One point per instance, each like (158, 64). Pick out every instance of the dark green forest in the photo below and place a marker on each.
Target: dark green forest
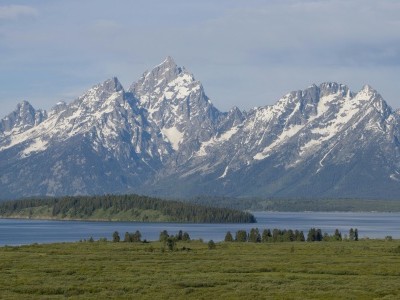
(121, 208)
(301, 204)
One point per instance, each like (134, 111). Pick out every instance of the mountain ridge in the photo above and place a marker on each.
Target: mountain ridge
(163, 136)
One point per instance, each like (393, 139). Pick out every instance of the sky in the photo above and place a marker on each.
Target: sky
(246, 53)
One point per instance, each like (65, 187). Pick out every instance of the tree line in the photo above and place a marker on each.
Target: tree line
(85, 206)
(300, 204)
(253, 236)
(278, 235)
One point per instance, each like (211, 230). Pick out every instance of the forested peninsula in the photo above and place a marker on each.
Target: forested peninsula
(120, 208)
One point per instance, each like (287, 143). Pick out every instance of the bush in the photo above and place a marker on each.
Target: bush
(211, 245)
(171, 244)
(388, 238)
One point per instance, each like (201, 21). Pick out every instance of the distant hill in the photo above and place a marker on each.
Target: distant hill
(120, 208)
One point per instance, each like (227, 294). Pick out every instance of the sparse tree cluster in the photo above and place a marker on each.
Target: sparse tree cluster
(314, 235)
(276, 235)
(180, 236)
(353, 234)
(135, 237)
(171, 240)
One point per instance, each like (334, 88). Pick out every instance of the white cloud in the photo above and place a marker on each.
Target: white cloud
(12, 12)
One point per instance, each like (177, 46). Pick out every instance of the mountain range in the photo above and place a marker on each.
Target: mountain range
(163, 136)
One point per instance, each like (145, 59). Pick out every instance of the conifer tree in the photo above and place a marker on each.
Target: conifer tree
(337, 236)
(241, 236)
(351, 234)
(171, 243)
(185, 237)
(116, 237)
(136, 237)
(276, 233)
(314, 235)
(163, 236)
(228, 237)
(266, 236)
(127, 237)
(254, 236)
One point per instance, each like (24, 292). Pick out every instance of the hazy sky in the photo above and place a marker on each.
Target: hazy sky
(245, 52)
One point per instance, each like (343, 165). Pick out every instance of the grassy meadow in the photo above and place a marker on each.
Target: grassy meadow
(366, 269)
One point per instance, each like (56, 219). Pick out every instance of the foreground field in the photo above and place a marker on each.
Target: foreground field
(366, 269)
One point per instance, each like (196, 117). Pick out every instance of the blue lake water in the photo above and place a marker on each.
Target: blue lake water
(372, 225)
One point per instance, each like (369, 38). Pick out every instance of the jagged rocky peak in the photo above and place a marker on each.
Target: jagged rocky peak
(158, 76)
(313, 94)
(23, 118)
(369, 96)
(367, 92)
(236, 115)
(331, 88)
(368, 88)
(375, 100)
(235, 111)
(111, 85)
(171, 94)
(231, 119)
(101, 92)
(59, 107)
(25, 113)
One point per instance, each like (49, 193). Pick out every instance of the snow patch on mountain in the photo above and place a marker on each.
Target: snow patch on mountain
(36, 146)
(225, 173)
(174, 136)
(216, 140)
(287, 133)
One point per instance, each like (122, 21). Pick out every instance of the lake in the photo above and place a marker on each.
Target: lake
(372, 225)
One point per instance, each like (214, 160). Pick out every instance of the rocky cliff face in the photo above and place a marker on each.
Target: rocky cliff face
(164, 136)
(23, 118)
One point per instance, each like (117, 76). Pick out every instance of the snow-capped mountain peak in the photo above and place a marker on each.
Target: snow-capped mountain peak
(164, 136)
(164, 82)
(175, 102)
(155, 80)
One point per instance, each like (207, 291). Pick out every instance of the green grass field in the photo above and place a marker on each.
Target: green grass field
(367, 269)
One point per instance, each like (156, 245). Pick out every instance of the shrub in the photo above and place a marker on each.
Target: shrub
(211, 245)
